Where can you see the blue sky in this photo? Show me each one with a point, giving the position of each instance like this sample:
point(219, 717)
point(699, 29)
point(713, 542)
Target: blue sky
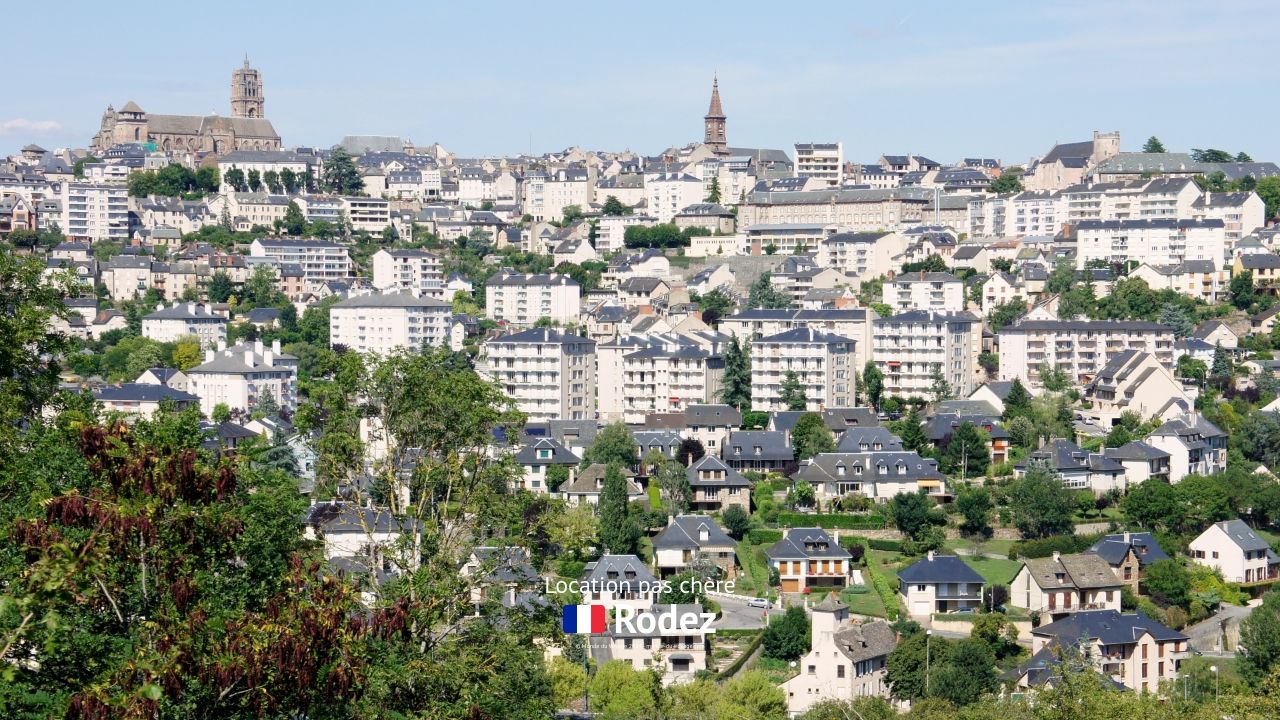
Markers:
point(941, 79)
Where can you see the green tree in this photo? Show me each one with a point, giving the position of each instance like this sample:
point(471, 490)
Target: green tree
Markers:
point(1006, 183)
point(907, 664)
point(975, 507)
point(966, 452)
point(187, 354)
point(1023, 432)
point(872, 384)
point(735, 384)
point(939, 388)
point(751, 695)
point(967, 675)
point(1152, 504)
point(221, 413)
point(1258, 438)
point(810, 436)
point(1153, 145)
point(713, 195)
point(911, 431)
point(260, 289)
point(568, 681)
point(295, 223)
point(619, 532)
point(574, 531)
point(1268, 188)
point(1173, 316)
point(254, 180)
point(1241, 290)
point(236, 179)
point(801, 494)
point(1210, 155)
point(613, 444)
point(792, 393)
point(787, 638)
point(271, 179)
point(1167, 582)
point(910, 513)
point(1260, 633)
point(764, 295)
point(1006, 314)
point(340, 174)
point(736, 521)
point(1221, 367)
point(1018, 402)
point(614, 206)
point(289, 181)
point(1041, 504)
point(673, 481)
point(619, 692)
point(714, 305)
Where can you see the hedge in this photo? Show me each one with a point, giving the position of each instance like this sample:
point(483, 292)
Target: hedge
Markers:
point(832, 522)
point(888, 594)
point(1045, 547)
point(742, 659)
point(764, 536)
point(885, 545)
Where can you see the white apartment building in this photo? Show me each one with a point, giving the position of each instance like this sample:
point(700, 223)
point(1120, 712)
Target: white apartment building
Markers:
point(669, 375)
point(321, 208)
point(666, 194)
point(385, 323)
point(611, 230)
point(546, 195)
point(169, 324)
point(1159, 242)
point(933, 291)
point(910, 347)
point(95, 211)
point(522, 299)
point(413, 271)
point(1080, 348)
point(320, 260)
point(614, 402)
point(848, 209)
point(1026, 213)
point(367, 213)
point(550, 374)
point(241, 377)
point(824, 161)
point(822, 362)
point(862, 254)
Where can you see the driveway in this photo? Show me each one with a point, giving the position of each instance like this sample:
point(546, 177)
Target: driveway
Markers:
point(1206, 635)
point(735, 615)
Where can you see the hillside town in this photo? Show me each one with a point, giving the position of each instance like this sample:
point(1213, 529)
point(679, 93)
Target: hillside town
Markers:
point(920, 437)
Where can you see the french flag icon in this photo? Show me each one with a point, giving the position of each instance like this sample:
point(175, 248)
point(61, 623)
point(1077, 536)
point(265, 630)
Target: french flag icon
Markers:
point(582, 619)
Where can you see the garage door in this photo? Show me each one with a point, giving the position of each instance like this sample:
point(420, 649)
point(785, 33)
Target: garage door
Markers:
point(920, 607)
point(791, 585)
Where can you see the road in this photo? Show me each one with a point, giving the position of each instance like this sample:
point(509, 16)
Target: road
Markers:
point(735, 615)
point(1206, 635)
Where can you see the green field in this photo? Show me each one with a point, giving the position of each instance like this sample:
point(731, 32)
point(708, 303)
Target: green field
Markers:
point(994, 571)
point(753, 575)
point(864, 603)
point(995, 546)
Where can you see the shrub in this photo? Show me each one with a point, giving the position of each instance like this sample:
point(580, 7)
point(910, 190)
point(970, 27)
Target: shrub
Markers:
point(1045, 547)
point(763, 536)
point(831, 522)
point(572, 569)
point(885, 545)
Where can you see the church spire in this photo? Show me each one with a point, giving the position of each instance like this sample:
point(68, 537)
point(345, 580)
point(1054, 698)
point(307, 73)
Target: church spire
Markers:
point(714, 135)
point(716, 110)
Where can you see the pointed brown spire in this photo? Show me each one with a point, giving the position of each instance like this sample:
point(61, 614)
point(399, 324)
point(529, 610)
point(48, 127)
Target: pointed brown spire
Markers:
point(715, 111)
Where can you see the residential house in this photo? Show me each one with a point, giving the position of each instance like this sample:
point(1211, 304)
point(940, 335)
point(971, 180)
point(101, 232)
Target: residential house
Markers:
point(688, 536)
point(1141, 462)
point(169, 324)
point(140, 399)
point(847, 659)
point(588, 486)
point(1065, 583)
point(763, 451)
point(619, 581)
point(538, 457)
point(712, 424)
point(1078, 468)
point(678, 657)
point(1134, 381)
point(1195, 446)
point(993, 393)
point(504, 574)
point(364, 540)
point(1129, 648)
point(939, 584)
point(1237, 552)
point(1129, 554)
point(874, 475)
point(809, 558)
point(1265, 269)
point(169, 377)
point(941, 426)
point(716, 486)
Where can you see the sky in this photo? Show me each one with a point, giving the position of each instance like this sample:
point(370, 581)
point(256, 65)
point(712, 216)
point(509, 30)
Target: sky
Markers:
point(942, 79)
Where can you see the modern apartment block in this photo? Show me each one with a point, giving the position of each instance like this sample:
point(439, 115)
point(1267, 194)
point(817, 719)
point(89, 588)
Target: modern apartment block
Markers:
point(934, 291)
point(95, 211)
point(862, 254)
point(1158, 242)
point(1080, 348)
point(385, 323)
point(522, 299)
point(909, 348)
point(320, 260)
point(824, 161)
point(168, 324)
point(669, 376)
point(822, 362)
point(412, 271)
point(241, 377)
point(550, 374)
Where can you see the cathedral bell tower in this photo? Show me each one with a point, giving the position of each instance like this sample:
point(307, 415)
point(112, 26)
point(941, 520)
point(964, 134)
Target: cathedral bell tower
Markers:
point(714, 123)
point(246, 92)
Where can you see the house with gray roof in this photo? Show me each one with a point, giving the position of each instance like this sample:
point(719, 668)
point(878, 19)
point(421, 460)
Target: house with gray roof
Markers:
point(1064, 584)
point(1128, 648)
point(762, 451)
point(620, 580)
point(504, 574)
point(868, 439)
point(687, 536)
point(809, 558)
point(939, 584)
point(588, 486)
point(847, 660)
point(142, 400)
point(538, 457)
point(1129, 554)
point(1141, 461)
point(716, 486)
point(1195, 445)
point(1237, 552)
point(677, 658)
point(876, 475)
point(1079, 469)
point(363, 538)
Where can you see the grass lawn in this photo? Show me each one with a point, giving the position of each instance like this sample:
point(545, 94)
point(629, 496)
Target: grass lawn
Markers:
point(646, 548)
point(753, 578)
point(994, 571)
point(655, 497)
point(1111, 513)
point(995, 546)
point(864, 603)
point(682, 261)
point(778, 671)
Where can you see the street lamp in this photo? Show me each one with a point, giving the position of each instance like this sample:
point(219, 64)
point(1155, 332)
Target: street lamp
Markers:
point(1217, 696)
point(928, 635)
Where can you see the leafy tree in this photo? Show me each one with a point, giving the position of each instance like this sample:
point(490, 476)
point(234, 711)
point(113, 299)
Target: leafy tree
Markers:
point(736, 521)
point(975, 507)
point(271, 179)
point(714, 305)
point(1041, 504)
point(613, 444)
point(236, 179)
point(939, 388)
point(295, 223)
point(907, 664)
point(1268, 188)
point(690, 451)
point(735, 384)
point(792, 393)
point(1221, 367)
point(1190, 368)
point(1023, 432)
point(910, 513)
point(764, 295)
point(713, 195)
point(751, 695)
point(619, 692)
point(557, 475)
point(787, 638)
point(1006, 183)
point(1211, 155)
point(260, 289)
point(673, 480)
point(289, 181)
point(187, 354)
point(1241, 290)
point(1260, 633)
point(1153, 145)
point(340, 175)
point(254, 180)
point(221, 413)
point(571, 214)
point(1167, 582)
point(619, 533)
point(1053, 378)
point(810, 436)
point(681, 590)
point(1005, 314)
point(1258, 437)
point(989, 362)
point(966, 452)
point(1152, 504)
point(968, 674)
point(801, 494)
point(568, 681)
point(872, 384)
point(614, 206)
point(574, 531)
point(933, 263)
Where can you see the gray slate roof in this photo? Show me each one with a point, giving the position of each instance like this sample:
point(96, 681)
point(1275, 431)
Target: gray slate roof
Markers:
point(805, 543)
point(684, 533)
point(939, 569)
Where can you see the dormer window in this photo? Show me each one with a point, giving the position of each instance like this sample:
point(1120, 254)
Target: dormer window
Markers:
point(840, 469)
point(881, 469)
point(757, 449)
point(902, 469)
point(544, 454)
point(857, 469)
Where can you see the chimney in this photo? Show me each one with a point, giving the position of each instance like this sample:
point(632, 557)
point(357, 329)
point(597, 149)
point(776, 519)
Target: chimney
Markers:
point(275, 346)
point(208, 355)
point(835, 535)
point(191, 308)
point(1057, 556)
point(257, 346)
point(1126, 537)
point(268, 358)
point(930, 556)
point(248, 358)
point(159, 306)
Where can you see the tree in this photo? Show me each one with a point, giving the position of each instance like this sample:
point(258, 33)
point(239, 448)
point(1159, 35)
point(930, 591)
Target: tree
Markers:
point(1210, 155)
point(1152, 504)
point(1041, 504)
point(939, 388)
point(792, 393)
point(801, 494)
point(614, 206)
point(764, 295)
point(690, 451)
point(872, 384)
point(966, 452)
point(568, 681)
point(260, 289)
point(1023, 432)
point(713, 194)
point(975, 506)
point(912, 432)
point(714, 305)
point(570, 214)
point(1167, 582)
point(736, 521)
point(673, 481)
point(1241, 290)
point(1005, 314)
point(967, 675)
point(1268, 188)
point(1006, 183)
point(619, 533)
point(1173, 316)
point(187, 354)
point(574, 530)
point(735, 384)
point(619, 692)
point(221, 413)
point(787, 638)
point(1221, 367)
point(254, 180)
point(271, 179)
point(1260, 633)
point(810, 436)
point(751, 695)
point(1018, 402)
point(910, 513)
point(295, 223)
point(289, 181)
point(340, 174)
point(613, 444)
point(907, 664)
point(1258, 438)
point(236, 179)
point(1153, 145)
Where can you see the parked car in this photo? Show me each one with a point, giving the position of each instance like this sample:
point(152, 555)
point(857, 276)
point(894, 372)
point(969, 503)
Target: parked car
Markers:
point(762, 603)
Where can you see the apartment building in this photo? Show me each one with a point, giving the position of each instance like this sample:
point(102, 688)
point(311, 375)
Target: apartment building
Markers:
point(932, 291)
point(265, 161)
point(522, 299)
point(1159, 242)
point(412, 271)
point(1199, 279)
point(95, 211)
point(169, 324)
point(1130, 648)
point(1134, 381)
point(546, 195)
point(320, 260)
point(862, 254)
point(611, 230)
point(822, 362)
point(824, 161)
point(912, 347)
point(243, 376)
point(669, 375)
point(367, 213)
point(1080, 348)
point(549, 373)
point(849, 209)
point(666, 194)
point(385, 323)
point(1195, 446)
point(1030, 212)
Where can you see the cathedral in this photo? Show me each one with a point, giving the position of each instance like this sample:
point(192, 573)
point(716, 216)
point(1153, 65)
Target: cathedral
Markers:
point(246, 129)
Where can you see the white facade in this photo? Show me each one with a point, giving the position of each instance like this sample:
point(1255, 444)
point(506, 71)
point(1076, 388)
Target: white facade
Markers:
point(95, 211)
point(413, 271)
point(243, 376)
point(170, 324)
point(932, 291)
point(385, 323)
point(1160, 242)
point(524, 299)
point(822, 362)
point(550, 374)
point(666, 194)
point(320, 260)
point(824, 161)
point(909, 348)
point(1080, 348)
point(1236, 551)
